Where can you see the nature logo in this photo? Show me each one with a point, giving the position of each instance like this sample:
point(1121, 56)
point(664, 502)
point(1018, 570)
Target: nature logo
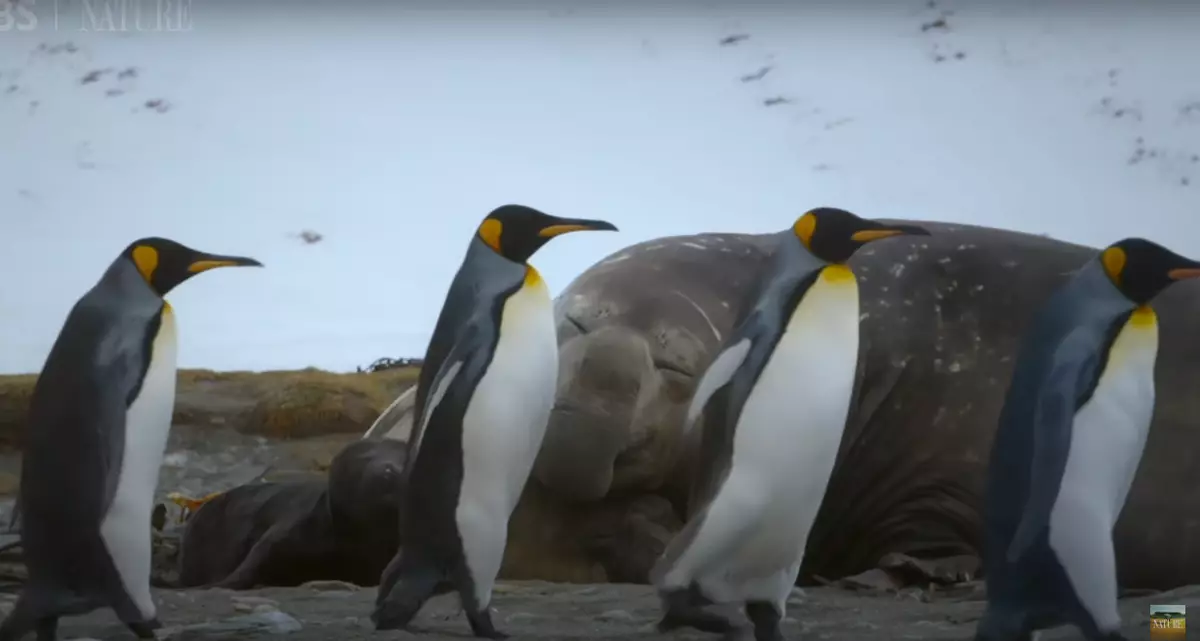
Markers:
point(1168, 622)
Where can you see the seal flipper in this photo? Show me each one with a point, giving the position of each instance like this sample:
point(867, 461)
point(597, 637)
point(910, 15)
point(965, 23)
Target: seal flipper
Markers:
point(243, 577)
point(406, 584)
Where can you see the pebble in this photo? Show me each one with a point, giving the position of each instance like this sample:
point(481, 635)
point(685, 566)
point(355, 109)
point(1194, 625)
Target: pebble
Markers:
point(331, 586)
point(615, 615)
point(254, 604)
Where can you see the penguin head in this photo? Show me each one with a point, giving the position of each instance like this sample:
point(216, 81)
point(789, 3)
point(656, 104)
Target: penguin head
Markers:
point(1141, 269)
point(833, 235)
point(165, 263)
point(516, 231)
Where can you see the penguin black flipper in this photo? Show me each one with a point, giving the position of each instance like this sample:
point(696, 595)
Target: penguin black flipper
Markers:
point(446, 334)
point(722, 392)
point(711, 398)
point(1071, 378)
point(468, 342)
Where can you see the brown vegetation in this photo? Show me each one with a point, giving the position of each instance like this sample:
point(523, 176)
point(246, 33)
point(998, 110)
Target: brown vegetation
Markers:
point(277, 404)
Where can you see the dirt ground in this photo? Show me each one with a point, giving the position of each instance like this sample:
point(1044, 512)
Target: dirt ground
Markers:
point(536, 610)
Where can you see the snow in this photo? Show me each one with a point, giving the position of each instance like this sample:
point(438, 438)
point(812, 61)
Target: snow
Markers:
point(392, 131)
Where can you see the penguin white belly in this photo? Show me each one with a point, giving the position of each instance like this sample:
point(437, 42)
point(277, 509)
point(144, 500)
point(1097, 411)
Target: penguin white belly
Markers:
point(787, 440)
point(503, 427)
point(125, 529)
point(1107, 440)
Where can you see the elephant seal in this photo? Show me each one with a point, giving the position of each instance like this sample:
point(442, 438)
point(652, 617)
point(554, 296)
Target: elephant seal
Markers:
point(941, 320)
point(343, 528)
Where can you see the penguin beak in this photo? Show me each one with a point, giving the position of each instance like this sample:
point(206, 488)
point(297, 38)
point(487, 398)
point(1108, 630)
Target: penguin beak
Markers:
point(205, 262)
point(887, 231)
point(1183, 273)
point(567, 225)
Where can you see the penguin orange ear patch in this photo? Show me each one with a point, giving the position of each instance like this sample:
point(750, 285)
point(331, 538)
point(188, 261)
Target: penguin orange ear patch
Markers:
point(1113, 260)
point(804, 228)
point(489, 232)
point(146, 259)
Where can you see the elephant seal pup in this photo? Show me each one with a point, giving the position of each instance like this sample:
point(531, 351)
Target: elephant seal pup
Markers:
point(344, 528)
point(941, 320)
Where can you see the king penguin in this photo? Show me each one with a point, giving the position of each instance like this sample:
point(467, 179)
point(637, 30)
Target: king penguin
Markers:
point(97, 430)
point(1068, 443)
point(771, 408)
point(483, 401)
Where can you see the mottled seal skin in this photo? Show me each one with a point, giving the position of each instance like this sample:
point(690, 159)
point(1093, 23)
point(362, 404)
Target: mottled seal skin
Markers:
point(344, 528)
point(636, 331)
point(941, 320)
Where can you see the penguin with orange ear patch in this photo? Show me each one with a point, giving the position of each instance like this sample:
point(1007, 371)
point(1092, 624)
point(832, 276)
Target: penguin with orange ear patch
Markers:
point(770, 410)
point(483, 400)
point(97, 430)
point(1069, 441)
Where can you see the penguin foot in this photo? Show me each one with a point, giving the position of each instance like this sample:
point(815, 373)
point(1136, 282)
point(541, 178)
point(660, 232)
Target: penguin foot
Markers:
point(482, 626)
point(394, 614)
point(766, 620)
point(405, 585)
point(144, 629)
point(684, 607)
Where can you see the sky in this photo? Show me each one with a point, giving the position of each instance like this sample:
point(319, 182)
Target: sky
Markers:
point(391, 130)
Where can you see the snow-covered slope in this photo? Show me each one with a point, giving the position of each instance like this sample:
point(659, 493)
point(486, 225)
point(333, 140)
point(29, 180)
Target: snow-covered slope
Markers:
point(391, 132)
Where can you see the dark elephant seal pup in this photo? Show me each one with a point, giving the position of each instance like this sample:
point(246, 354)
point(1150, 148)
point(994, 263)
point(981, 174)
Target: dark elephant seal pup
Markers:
point(941, 320)
point(345, 528)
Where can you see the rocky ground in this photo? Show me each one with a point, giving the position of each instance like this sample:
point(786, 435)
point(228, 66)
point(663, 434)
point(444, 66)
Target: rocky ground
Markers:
point(535, 610)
